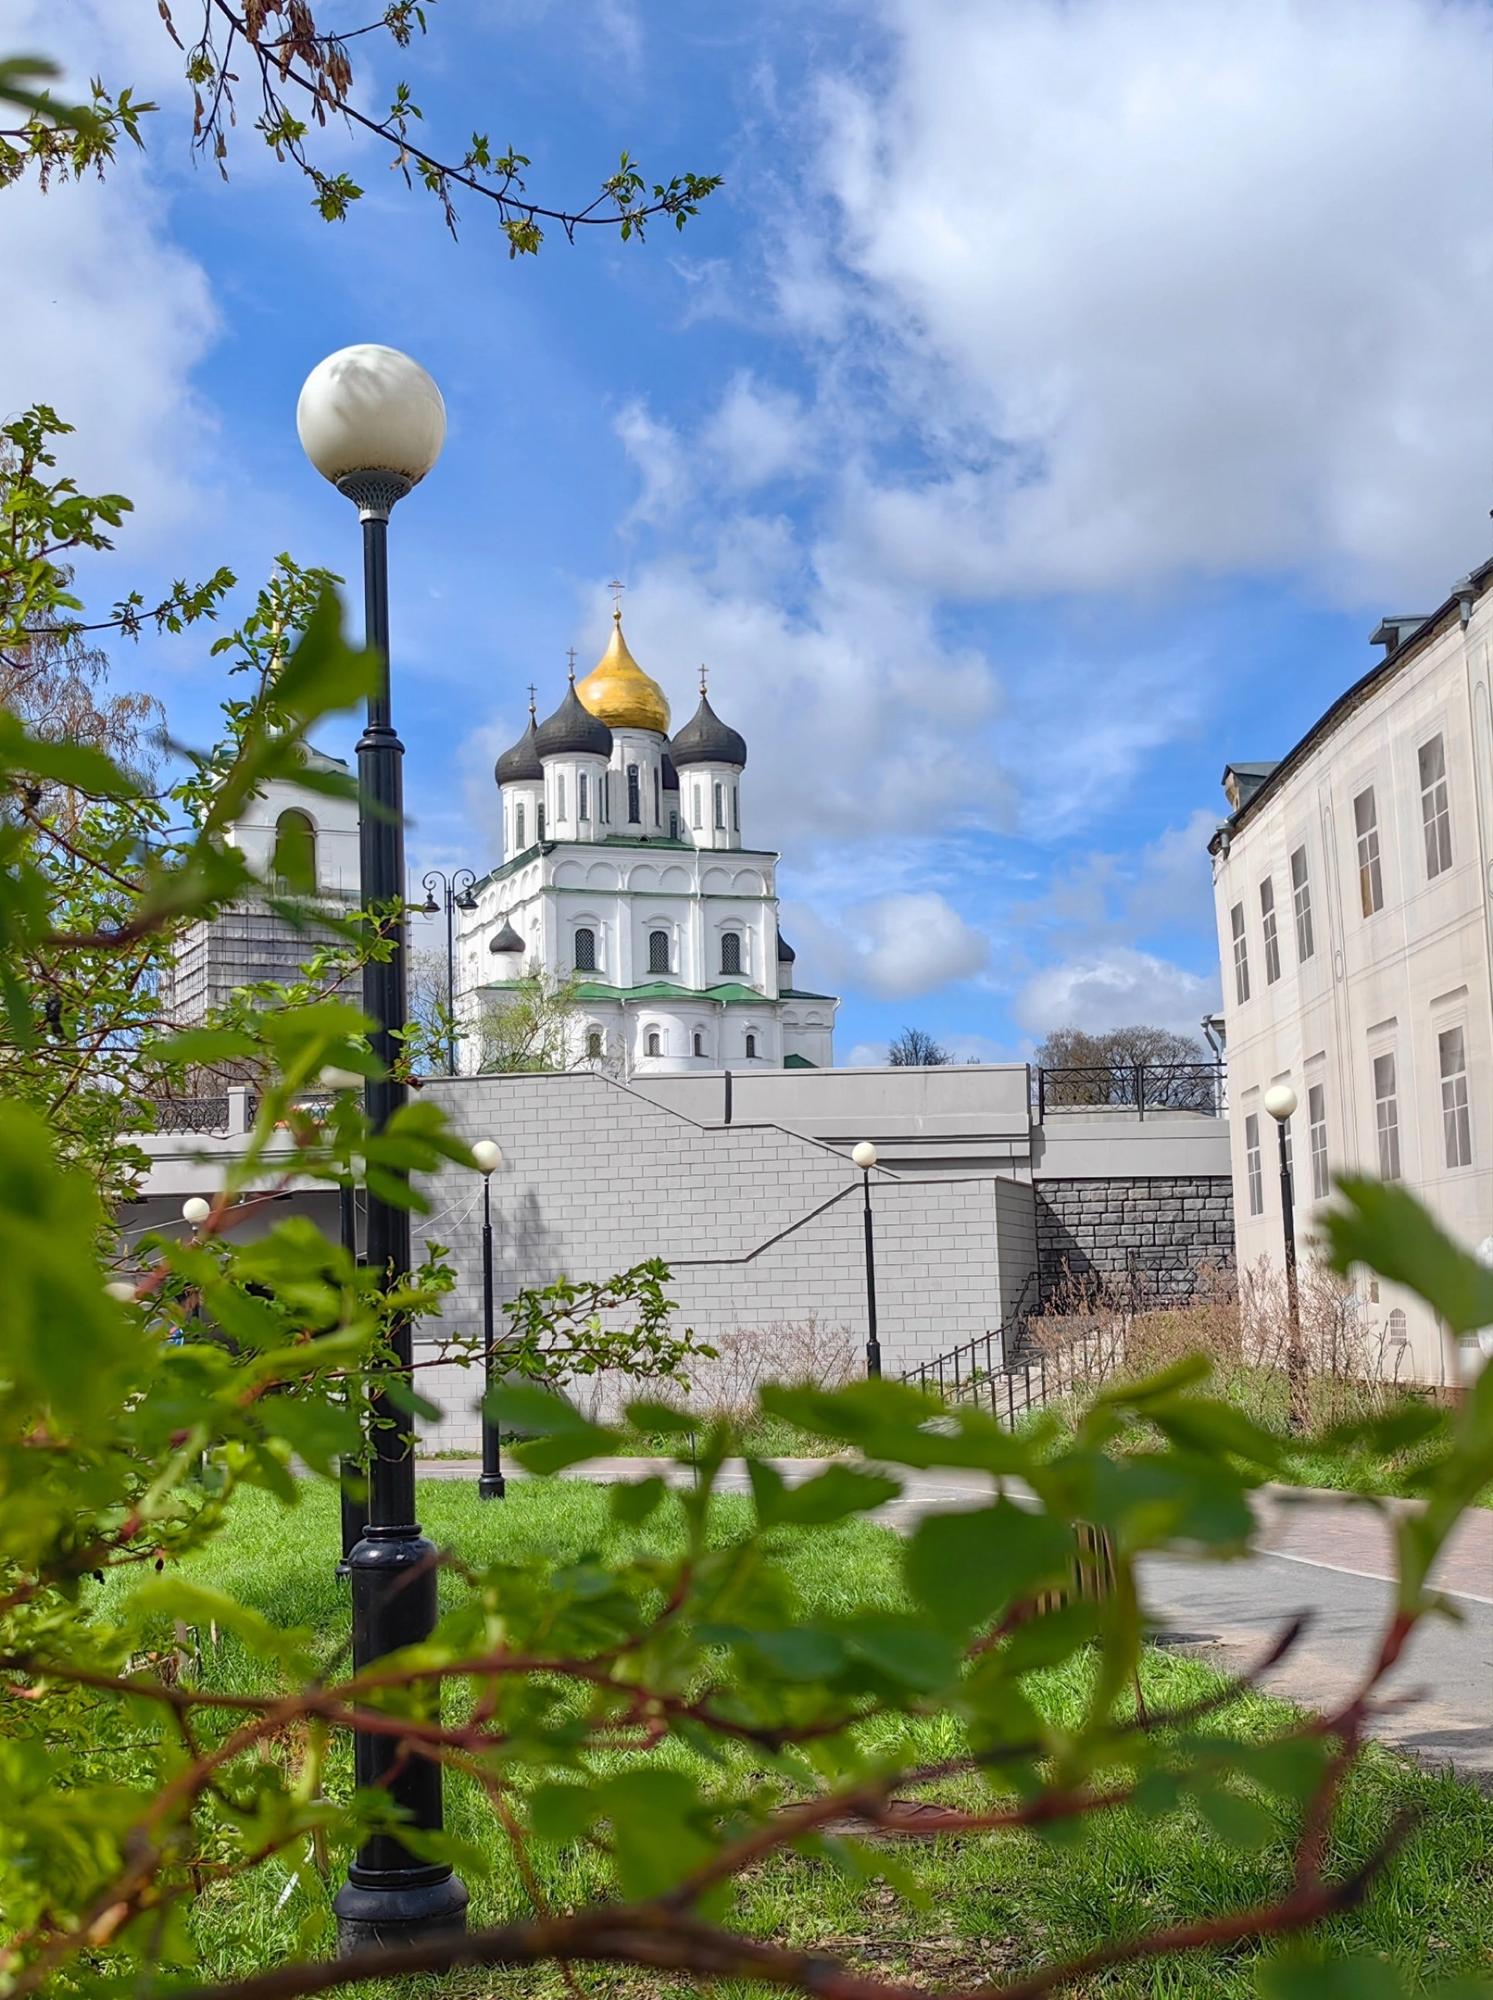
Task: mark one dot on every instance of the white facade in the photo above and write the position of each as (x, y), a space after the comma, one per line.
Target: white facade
(1353, 888)
(637, 881)
(284, 810)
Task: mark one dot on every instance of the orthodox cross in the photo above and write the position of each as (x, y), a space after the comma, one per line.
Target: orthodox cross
(570, 656)
(616, 589)
(533, 702)
(702, 676)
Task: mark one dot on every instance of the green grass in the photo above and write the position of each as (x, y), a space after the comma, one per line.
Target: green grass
(985, 1907)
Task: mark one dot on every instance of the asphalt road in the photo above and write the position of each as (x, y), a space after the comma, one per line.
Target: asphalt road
(1320, 1554)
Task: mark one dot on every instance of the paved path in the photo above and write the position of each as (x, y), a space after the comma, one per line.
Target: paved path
(1317, 1552)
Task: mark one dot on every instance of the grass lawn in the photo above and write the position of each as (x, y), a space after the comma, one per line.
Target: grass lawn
(986, 1907)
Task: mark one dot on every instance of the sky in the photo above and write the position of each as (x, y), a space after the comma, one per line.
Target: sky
(1044, 412)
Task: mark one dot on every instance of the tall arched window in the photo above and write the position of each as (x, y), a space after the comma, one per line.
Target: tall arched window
(695, 819)
(720, 805)
(751, 1047)
(653, 1046)
(606, 798)
(582, 796)
(295, 849)
(736, 809)
(585, 948)
(595, 1047)
(730, 951)
(539, 809)
(673, 826)
(658, 797)
(518, 827)
(658, 951)
(559, 795)
(634, 797)
(699, 1043)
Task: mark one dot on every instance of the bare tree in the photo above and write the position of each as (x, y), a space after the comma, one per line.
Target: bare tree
(1175, 1072)
(915, 1048)
(535, 1027)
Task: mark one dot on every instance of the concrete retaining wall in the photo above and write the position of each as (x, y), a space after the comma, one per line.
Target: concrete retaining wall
(1160, 1231)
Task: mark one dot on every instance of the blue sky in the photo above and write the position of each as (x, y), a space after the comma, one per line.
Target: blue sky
(1045, 411)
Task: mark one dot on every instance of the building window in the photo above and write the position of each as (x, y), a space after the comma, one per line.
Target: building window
(606, 798)
(736, 809)
(1370, 875)
(1241, 954)
(658, 797)
(559, 796)
(653, 1046)
(658, 951)
(1272, 940)
(730, 951)
(673, 826)
(595, 1047)
(539, 814)
(585, 948)
(634, 797)
(295, 849)
(1387, 1117)
(518, 828)
(1396, 1328)
(1301, 899)
(1254, 1172)
(1316, 1123)
(720, 807)
(582, 796)
(699, 1043)
(695, 819)
(751, 1047)
(1456, 1119)
(1435, 808)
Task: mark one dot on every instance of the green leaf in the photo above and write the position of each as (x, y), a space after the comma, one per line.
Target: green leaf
(831, 1495)
(1357, 1978)
(905, 1651)
(324, 673)
(965, 1568)
(631, 1504)
(1387, 1228)
(1236, 1818)
(197, 1604)
(202, 1045)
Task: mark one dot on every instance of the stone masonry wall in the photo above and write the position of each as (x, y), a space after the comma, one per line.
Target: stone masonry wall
(757, 1224)
(1157, 1233)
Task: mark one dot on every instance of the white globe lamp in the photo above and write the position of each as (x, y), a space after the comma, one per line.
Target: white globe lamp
(195, 1210)
(372, 421)
(1280, 1102)
(488, 1155)
(121, 1289)
(864, 1156)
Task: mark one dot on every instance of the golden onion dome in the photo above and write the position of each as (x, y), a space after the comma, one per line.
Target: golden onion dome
(619, 693)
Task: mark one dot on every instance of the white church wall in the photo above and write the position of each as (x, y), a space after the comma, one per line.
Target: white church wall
(333, 821)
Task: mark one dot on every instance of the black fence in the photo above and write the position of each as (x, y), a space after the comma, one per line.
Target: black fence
(1137, 1087)
(1002, 1372)
(191, 1114)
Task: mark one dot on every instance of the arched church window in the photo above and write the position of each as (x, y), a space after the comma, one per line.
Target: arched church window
(658, 951)
(582, 796)
(518, 828)
(730, 951)
(594, 1044)
(653, 1046)
(720, 806)
(559, 795)
(634, 797)
(751, 1047)
(658, 797)
(539, 810)
(695, 819)
(295, 849)
(699, 1043)
(585, 948)
(736, 809)
(606, 798)
(673, 826)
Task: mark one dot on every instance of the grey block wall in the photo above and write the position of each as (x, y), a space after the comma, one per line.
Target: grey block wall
(757, 1224)
(1159, 1231)
(1016, 1229)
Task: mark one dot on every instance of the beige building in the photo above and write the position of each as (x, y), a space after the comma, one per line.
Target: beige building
(1352, 885)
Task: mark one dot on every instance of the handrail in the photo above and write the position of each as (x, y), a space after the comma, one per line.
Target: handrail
(1015, 1386)
(959, 1367)
(1137, 1086)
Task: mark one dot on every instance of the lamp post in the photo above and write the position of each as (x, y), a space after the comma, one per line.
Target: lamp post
(864, 1156)
(491, 1484)
(351, 1473)
(1280, 1102)
(372, 422)
(456, 894)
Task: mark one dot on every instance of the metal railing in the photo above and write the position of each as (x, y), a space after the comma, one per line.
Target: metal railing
(1001, 1371)
(974, 1362)
(191, 1114)
(1137, 1087)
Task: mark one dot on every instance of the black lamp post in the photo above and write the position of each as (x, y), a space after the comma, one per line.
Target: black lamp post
(491, 1485)
(1280, 1102)
(456, 894)
(864, 1156)
(372, 421)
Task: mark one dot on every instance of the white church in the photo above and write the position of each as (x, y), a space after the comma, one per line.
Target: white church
(624, 867)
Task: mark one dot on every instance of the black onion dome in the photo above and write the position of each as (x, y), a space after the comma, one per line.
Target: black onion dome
(521, 762)
(507, 939)
(786, 953)
(705, 739)
(573, 731)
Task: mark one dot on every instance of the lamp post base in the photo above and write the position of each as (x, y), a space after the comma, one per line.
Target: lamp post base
(388, 1915)
(491, 1486)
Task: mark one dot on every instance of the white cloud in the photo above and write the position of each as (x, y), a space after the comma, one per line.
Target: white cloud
(655, 450)
(1114, 987)
(894, 946)
(1171, 286)
(758, 433)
